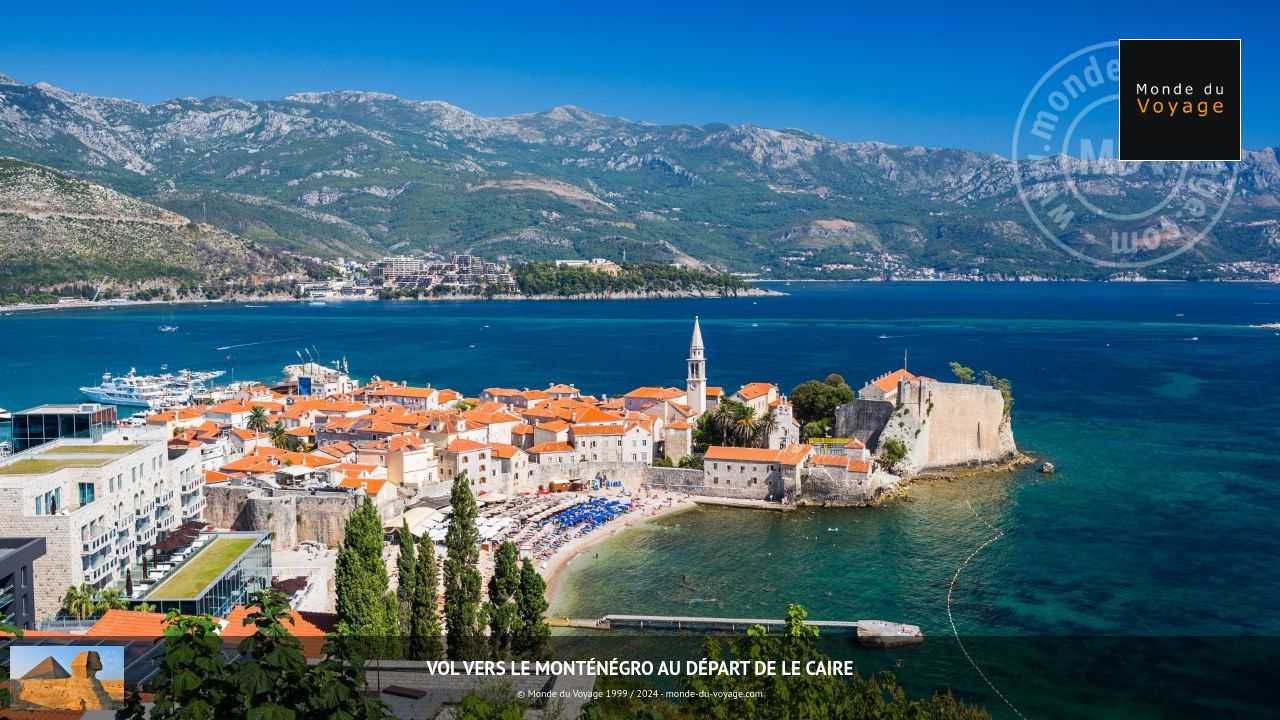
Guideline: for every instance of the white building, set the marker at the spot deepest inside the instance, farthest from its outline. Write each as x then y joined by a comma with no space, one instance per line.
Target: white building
98,504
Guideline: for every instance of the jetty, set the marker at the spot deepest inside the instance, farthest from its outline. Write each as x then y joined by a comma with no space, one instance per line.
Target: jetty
876,633
741,503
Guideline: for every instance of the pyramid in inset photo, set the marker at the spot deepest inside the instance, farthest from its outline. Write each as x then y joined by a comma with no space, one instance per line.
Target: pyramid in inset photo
47,669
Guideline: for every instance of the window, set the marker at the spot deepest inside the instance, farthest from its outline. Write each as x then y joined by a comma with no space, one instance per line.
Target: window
86,492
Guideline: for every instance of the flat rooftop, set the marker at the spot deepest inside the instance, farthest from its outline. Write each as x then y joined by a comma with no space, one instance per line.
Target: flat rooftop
40,462
209,562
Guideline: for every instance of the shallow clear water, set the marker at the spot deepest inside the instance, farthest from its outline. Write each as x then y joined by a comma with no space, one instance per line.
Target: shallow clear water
1161,520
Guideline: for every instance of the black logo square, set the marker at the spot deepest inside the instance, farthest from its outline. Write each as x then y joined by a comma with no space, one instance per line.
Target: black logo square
1180,99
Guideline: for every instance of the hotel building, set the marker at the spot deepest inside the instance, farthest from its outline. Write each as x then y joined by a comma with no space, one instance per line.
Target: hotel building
98,503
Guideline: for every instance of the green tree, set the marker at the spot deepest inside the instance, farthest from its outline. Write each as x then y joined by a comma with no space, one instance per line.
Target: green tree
258,420
805,696
462,610
280,438
194,679
532,640
663,461
734,424
892,452
503,612
814,429
407,572
271,680
962,373
816,401
80,601
361,580
693,462
424,622
111,599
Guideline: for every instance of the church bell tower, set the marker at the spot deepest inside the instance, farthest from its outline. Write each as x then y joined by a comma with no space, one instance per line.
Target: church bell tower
696,386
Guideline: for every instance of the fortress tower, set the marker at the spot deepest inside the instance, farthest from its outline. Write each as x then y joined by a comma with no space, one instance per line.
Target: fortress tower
696,385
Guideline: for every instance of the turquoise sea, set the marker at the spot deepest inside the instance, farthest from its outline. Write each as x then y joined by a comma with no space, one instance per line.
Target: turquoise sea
1140,580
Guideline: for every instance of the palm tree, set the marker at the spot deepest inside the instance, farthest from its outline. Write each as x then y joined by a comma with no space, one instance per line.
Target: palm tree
764,427
280,437
258,420
111,599
79,601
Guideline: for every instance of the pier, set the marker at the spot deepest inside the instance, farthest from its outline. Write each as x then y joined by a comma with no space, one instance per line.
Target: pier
879,633
741,503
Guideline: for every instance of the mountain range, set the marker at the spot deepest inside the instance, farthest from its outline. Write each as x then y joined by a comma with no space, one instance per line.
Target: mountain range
361,174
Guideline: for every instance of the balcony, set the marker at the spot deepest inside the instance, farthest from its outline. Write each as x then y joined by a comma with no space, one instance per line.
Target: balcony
165,497
193,508
96,542
146,535
99,571
145,509
193,484
6,596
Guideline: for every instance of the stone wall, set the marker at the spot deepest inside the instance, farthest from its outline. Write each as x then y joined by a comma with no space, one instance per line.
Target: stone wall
294,516
942,425
864,420
696,482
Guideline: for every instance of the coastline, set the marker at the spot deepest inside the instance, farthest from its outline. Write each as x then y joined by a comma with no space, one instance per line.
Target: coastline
254,300
557,566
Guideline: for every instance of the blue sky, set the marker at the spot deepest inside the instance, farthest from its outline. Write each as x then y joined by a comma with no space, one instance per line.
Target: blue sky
910,73
25,657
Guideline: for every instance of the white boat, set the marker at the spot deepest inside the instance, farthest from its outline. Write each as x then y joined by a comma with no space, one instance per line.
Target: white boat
149,391
5,415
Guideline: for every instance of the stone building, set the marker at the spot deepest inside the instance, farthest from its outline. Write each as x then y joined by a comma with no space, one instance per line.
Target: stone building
98,504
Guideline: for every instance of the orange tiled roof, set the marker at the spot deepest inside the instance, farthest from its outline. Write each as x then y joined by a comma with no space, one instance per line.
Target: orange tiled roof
655,393
889,382
613,429
561,388
129,624
504,451
794,454
213,476
679,425
859,466
371,486
830,460
550,447
178,414
751,391
461,445
737,454
855,444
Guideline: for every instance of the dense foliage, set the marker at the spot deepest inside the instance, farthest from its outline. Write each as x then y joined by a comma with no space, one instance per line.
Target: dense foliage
463,614
734,424
815,401
364,602
502,610
546,278
425,636
271,679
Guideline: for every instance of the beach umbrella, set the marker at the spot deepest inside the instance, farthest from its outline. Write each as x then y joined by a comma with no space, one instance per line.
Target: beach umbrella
128,582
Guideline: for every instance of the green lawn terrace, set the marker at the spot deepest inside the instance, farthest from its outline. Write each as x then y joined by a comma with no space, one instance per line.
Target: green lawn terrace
217,573
66,456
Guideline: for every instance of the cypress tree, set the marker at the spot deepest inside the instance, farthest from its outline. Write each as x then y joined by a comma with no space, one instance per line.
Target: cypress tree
407,569
424,619
462,582
503,611
361,580
532,638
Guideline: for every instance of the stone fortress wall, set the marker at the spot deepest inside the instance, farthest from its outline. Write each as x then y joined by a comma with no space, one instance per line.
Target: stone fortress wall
942,425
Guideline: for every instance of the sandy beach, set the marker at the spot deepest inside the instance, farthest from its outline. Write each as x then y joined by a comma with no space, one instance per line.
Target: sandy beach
656,505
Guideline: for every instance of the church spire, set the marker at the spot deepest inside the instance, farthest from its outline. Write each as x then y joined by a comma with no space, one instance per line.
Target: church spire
696,385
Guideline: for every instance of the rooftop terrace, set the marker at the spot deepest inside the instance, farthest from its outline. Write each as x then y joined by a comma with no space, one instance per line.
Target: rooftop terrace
63,454
203,568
